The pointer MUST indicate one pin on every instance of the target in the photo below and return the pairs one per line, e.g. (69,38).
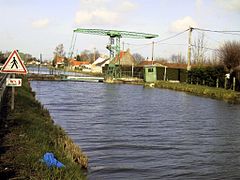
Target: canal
(131,132)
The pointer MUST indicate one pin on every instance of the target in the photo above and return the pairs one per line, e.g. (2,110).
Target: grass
(229,96)
(216,93)
(31,133)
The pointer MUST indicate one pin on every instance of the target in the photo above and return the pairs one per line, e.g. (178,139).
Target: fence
(214,76)
(3,78)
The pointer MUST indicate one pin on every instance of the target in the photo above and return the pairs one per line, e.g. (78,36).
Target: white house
(99,64)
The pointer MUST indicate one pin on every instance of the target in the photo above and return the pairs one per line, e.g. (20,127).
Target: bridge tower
(114,70)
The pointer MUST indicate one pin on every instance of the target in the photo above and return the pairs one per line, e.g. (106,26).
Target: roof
(122,54)
(125,58)
(98,60)
(59,60)
(168,65)
(106,61)
(77,63)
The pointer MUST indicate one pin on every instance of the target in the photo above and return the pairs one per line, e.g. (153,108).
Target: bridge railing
(3,86)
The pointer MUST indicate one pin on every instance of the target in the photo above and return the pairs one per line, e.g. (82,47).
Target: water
(131,132)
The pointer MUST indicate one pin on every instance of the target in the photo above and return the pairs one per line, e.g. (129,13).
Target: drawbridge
(114,70)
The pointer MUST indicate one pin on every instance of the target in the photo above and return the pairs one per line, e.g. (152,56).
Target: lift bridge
(114,70)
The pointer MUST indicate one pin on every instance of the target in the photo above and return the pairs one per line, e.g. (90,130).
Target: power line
(212,39)
(222,32)
(135,49)
(130,44)
(170,37)
(205,48)
(157,42)
(173,44)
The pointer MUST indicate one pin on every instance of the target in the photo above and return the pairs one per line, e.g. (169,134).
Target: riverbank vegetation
(29,132)
(200,90)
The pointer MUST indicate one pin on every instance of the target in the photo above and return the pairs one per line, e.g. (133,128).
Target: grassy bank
(199,90)
(29,133)
(216,93)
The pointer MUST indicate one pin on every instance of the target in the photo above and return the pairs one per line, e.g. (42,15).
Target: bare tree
(138,57)
(87,55)
(198,49)
(94,55)
(229,54)
(214,59)
(178,58)
(59,51)
(2,58)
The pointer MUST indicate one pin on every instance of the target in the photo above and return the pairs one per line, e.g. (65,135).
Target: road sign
(14,64)
(13,82)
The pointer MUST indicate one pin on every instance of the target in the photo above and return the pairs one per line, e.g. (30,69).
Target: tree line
(26,57)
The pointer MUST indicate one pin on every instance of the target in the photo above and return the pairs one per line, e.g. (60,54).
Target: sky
(38,26)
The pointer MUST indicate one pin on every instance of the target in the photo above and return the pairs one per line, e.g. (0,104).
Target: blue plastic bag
(51,161)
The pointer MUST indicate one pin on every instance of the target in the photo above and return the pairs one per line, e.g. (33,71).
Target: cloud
(41,23)
(127,6)
(99,16)
(103,12)
(92,2)
(182,24)
(199,4)
(231,5)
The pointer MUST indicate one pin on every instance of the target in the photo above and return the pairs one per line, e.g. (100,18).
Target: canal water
(131,132)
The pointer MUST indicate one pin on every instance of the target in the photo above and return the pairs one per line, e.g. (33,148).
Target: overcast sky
(38,26)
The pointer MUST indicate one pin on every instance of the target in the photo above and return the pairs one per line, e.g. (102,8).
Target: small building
(121,65)
(59,62)
(73,64)
(168,71)
(98,65)
(33,62)
(124,58)
(150,73)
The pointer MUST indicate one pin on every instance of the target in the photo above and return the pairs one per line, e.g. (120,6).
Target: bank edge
(29,133)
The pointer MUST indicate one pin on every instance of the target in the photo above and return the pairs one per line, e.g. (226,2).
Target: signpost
(13,82)
(14,65)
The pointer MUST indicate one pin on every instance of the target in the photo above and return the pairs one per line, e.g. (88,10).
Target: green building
(150,73)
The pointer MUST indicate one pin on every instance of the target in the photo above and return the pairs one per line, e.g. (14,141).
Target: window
(150,69)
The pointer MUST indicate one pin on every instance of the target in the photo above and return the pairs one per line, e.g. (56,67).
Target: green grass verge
(216,93)
(31,134)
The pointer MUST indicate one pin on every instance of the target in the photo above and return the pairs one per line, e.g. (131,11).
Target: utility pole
(40,62)
(94,54)
(152,51)
(189,48)
(123,46)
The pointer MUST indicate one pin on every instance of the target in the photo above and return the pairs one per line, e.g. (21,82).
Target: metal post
(165,73)
(13,94)
(189,48)
(225,83)
(132,69)
(234,83)
(94,54)
(152,51)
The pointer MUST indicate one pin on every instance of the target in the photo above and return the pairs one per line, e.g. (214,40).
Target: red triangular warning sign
(14,64)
